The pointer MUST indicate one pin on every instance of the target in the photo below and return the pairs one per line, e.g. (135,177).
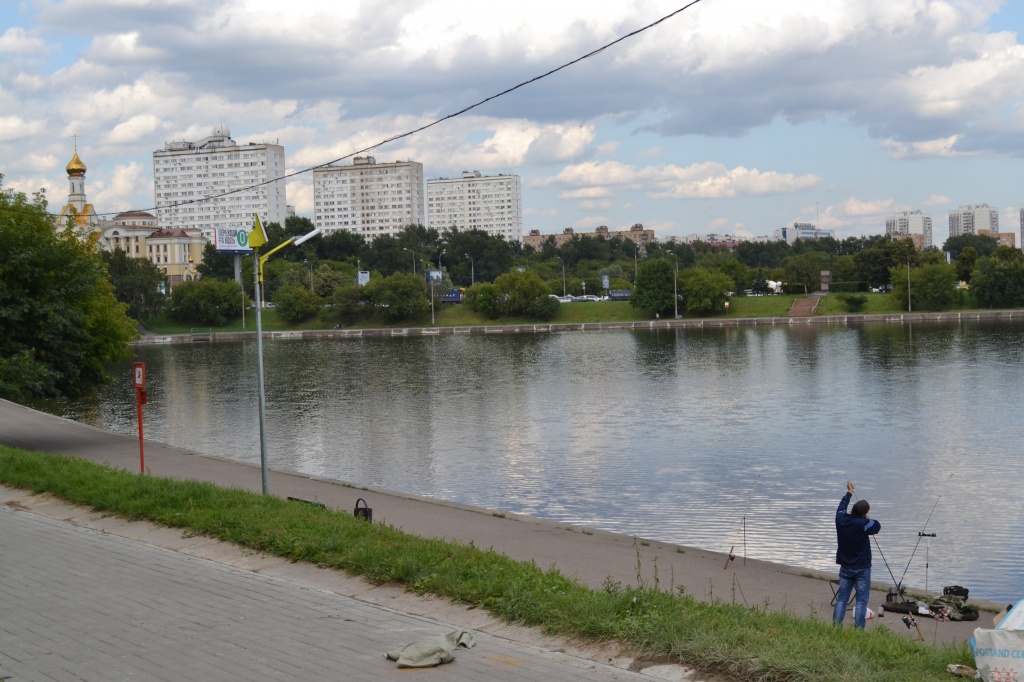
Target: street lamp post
(413,258)
(472,271)
(636,268)
(675,284)
(910,308)
(563,275)
(257,239)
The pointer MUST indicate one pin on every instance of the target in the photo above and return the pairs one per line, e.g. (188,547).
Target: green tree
(703,290)
(965,263)
(998,283)
(207,301)
(217,265)
(982,244)
(932,287)
(518,291)
(484,298)
(348,304)
(805,269)
(655,287)
(60,322)
(136,283)
(296,303)
(399,297)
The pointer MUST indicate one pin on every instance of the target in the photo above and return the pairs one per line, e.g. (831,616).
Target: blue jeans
(849,579)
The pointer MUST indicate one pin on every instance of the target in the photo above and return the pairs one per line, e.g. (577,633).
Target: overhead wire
(452,115)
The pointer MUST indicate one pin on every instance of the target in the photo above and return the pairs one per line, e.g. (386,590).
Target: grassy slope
(568,313)
(743,643)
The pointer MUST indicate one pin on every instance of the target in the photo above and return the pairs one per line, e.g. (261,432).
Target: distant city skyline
(734,117)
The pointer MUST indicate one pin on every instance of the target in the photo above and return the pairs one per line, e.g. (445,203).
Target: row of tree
(67,307)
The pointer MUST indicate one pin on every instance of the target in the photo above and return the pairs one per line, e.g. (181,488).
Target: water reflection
(661,433)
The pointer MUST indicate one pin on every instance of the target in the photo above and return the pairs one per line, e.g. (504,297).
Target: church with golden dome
(78,213)
(175,252)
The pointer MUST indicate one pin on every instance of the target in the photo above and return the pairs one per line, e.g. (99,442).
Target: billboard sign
(435,276)
(364,278)
(231,241)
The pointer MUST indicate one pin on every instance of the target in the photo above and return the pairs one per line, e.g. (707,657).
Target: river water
(666,434)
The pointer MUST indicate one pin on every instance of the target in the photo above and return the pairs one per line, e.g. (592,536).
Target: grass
(568,313)
(742,643)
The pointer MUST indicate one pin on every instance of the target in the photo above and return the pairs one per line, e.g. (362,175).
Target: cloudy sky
(734,116)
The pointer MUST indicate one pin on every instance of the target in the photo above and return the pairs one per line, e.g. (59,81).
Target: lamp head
(306,237)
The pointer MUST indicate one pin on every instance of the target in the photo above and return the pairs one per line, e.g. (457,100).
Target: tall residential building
(218,183)
(913,224)
(974,219)
(492,203)
(368,198)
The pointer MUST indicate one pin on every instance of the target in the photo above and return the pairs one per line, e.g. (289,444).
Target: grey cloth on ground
(431,651)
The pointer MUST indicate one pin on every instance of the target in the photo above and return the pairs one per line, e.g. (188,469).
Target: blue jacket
(852,533)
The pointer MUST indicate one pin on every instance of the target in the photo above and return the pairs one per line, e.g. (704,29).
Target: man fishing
(853,557)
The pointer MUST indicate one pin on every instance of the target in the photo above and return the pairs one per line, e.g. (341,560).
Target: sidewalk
(591,556)
(81,604)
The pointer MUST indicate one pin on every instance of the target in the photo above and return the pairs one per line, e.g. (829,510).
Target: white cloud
(592,205)
(15,127)
(16,40)
(134,129)
(697,181)
(925,148)
(586,193)
(37,163)
(116,195)
(937,200)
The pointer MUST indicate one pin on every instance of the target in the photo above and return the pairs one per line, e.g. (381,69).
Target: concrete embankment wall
(709,323)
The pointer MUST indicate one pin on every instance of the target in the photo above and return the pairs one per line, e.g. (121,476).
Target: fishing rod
(920,534)
(907,618)
(742,526)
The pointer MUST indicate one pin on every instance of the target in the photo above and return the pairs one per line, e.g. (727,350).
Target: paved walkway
(591,557)
(79,604)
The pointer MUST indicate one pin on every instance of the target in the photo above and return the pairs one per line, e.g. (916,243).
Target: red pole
(142,454)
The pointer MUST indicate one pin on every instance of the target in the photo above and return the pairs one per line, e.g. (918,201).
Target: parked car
(565,299)
(587,297)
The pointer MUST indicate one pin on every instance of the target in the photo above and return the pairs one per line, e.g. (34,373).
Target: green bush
(543,308)
(854,302)
(483,298)
(518,291)
(206,301)
(296,303)
(847,287)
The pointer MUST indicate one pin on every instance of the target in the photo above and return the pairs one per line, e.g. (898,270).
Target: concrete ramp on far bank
(588,555)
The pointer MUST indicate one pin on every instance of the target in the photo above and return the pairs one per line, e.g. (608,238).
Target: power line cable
(436,122)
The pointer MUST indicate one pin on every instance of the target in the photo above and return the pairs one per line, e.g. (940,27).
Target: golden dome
(75,166)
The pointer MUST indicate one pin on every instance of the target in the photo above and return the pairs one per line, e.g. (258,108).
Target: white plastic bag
(999,653)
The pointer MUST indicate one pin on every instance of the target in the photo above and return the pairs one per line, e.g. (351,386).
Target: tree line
(68,308)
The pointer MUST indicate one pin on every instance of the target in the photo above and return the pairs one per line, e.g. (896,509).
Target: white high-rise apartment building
(218,183)
(492,203)
(909,224)
(974,219)
(368,198)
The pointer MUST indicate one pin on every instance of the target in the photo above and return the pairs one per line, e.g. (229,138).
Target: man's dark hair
(861,507)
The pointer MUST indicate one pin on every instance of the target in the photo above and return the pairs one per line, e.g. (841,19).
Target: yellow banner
(257,238)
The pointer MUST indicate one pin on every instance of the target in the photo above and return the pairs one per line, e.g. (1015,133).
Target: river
(665,434)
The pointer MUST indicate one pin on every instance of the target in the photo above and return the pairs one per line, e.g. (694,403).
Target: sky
(731,117)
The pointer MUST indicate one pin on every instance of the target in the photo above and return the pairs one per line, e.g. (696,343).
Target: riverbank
(593,557)
(206,335)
